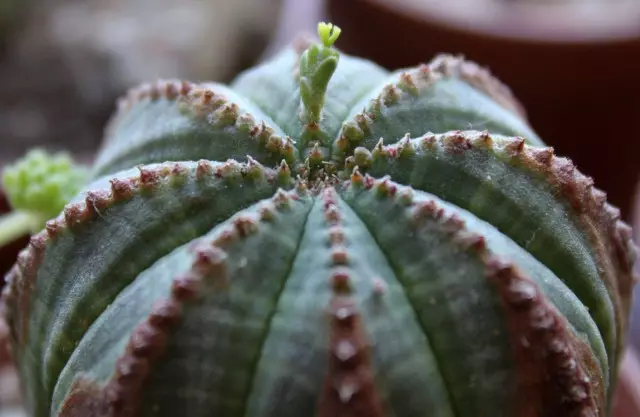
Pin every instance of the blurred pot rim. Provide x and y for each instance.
(599, 22)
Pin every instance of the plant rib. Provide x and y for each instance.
(349, 388)
(555, 369)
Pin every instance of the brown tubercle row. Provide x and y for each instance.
(216, 109)
(349, 388)
(613, 249)
(120, 395)
(557, 372)
(167, 89)
(411, 82)
(601, 221)
(547, 352)
(206, 104)
(21, 280)
(478, 77)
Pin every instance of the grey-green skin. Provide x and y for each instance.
(327, 272)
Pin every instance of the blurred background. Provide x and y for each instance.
(573, 63)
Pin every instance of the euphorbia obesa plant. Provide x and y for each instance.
(301, 244)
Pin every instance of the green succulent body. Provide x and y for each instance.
(324, 238)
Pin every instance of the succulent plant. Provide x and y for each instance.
(38, 187)
(323, 237)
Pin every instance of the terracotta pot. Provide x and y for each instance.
(574, 67)
(627, 400)
(634, 331)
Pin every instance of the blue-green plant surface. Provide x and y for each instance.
(321, 237)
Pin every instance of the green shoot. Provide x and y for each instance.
(317, 65)
(328, 33)
(38, 186)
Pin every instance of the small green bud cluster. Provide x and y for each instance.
(42, 183)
